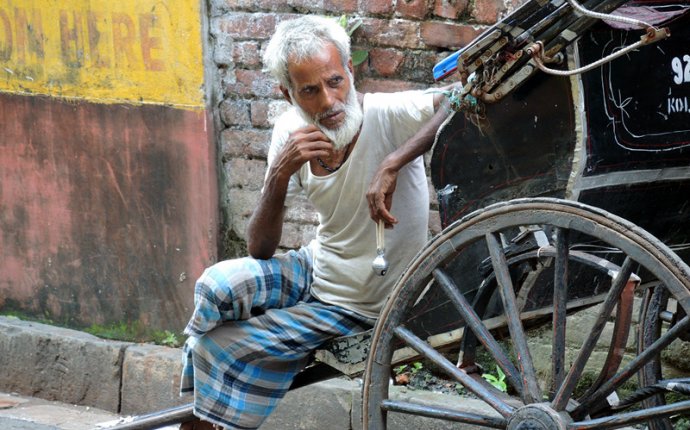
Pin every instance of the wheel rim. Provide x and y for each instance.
(563, 217)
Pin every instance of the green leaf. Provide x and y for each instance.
(359, 56)
(355, 25)
(343, 21)
(497, 382)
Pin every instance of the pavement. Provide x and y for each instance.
(19, 412)
(52, 378)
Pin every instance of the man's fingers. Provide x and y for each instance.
(379, 210)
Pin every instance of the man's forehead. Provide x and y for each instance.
(329, 54)
(326, 64)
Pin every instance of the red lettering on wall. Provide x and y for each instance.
(6, 45)
(29, 34)
(147, 24)
(123, 39)
(72, 48)
(96, 39)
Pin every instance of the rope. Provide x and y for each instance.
(380, 238)
(590, 13)
(537, 53)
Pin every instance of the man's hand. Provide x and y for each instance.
(266, 224)
(380, 195)
(303, 144)
(382, 186)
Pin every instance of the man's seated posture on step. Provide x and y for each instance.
(257, 319)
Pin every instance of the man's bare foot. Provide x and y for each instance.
(197, 424)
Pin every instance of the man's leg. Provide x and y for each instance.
(222, 366)
(234, 289)
(243, 368)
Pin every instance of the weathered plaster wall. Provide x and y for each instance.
(404, 39)
(108, 183)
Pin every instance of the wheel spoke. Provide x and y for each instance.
(566, 389)
(470, 383)
(475, 324)
(532, 393)
(560, 297)
(634, 417)
(444, 414)
(633, 367)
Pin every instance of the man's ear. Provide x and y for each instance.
(286, 94)
(350, 67)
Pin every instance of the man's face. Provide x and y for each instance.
(323, 92)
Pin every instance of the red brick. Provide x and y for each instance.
(234, 112)
(377, 7)
(487, 11)
(244, 143)
(244, 173)
(242, 203)
(249, 5)
(450, 8)
(340, 6)
(418, 66)
(416, 9)
(302, 211)
(251, 83)
(241, 25)
(385, 61)
(265, 112)
(246, 53)
(396, 33)
(371, 85)
(296, 235)
(306, 6)
(447, 35)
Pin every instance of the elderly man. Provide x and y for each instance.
(257, 319)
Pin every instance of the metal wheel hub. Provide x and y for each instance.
(537, 417)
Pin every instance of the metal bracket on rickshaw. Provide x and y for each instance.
(509, 53)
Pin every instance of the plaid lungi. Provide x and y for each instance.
(253, 327)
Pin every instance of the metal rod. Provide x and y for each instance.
(532, 392)
(444, 414)
(162, 418)
(470, 383)
(635, 417)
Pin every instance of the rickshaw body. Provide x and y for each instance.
(567, 195)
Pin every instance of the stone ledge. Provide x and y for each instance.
(73, 367)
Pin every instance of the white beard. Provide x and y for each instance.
(343, 135)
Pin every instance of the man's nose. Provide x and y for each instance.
(328, 99)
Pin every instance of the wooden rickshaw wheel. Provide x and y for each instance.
(530, 403)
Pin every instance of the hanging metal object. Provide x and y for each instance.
(380, 264)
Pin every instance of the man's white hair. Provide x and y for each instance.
(302, 38)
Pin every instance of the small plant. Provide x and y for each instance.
(166, 338)
(499, 382)
(682, 424)
(404, 372)
(409, 368)
(350, 24)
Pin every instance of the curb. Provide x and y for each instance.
(126, 378)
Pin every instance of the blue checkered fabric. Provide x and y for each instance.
(252, 330)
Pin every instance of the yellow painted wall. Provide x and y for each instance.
(140, 51)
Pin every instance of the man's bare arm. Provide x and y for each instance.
(382, 186)
(266, 224)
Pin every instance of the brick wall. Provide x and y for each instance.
(405, 38)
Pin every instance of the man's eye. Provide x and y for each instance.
(334, 82)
